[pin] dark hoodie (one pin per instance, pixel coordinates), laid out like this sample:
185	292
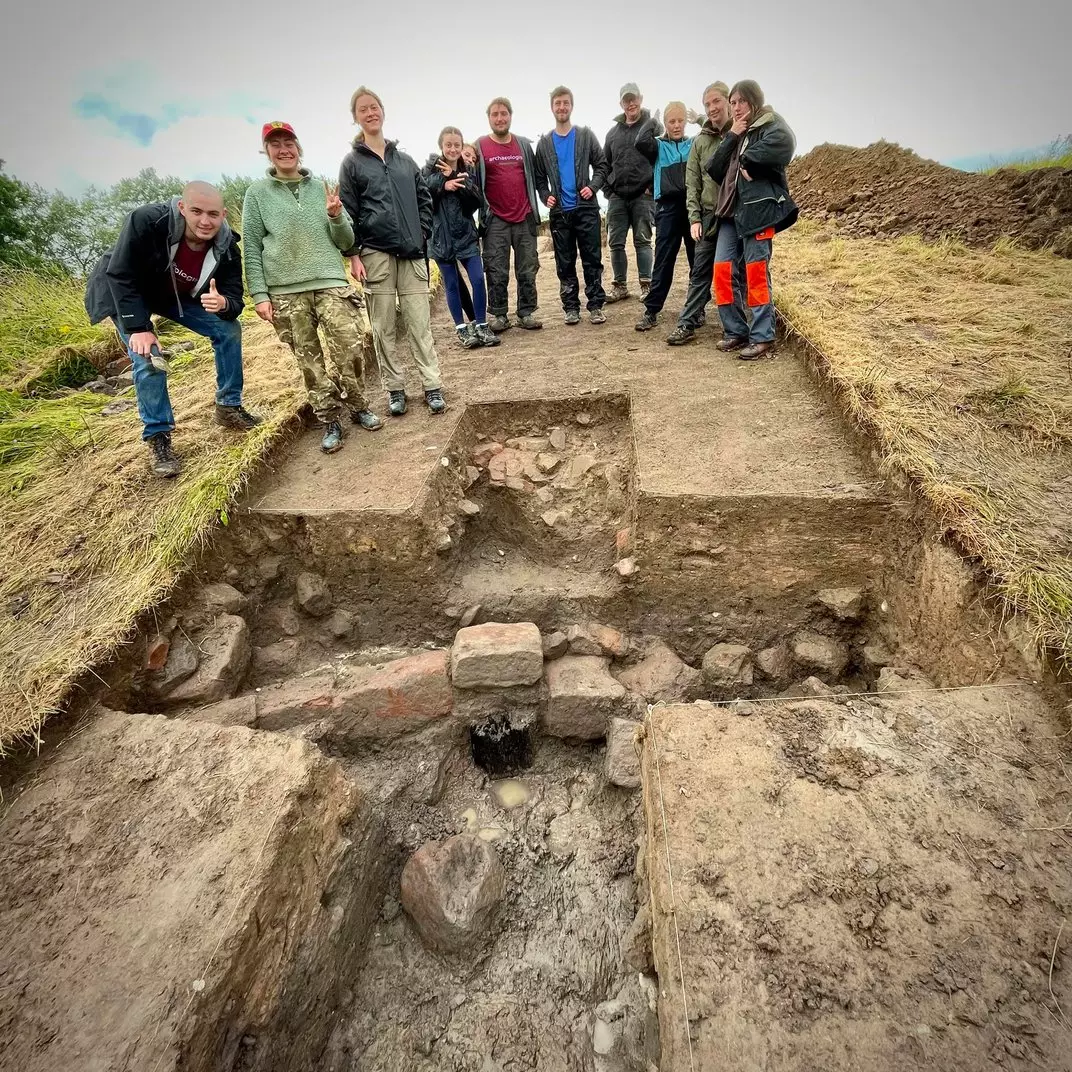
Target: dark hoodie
387	200
631	172
134	280
454	236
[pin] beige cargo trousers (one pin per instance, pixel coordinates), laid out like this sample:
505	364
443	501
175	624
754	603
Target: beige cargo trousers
388	277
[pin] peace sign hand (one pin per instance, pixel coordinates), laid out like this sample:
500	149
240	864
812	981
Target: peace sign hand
334	202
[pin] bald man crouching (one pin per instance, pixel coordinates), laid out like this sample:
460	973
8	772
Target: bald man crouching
179	260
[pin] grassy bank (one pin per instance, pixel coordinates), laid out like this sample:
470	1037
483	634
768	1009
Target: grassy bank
957	362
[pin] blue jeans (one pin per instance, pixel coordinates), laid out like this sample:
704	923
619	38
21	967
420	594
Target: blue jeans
150	385
474	269
743	262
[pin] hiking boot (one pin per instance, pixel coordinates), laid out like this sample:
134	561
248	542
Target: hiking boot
597	316
572	316
164	461
469	337
435	400
397	403
499	324
755	351
366	418
646	322
487	336
645	286
237	418
701	320
617	292
680	335
728	343
529	322
332	440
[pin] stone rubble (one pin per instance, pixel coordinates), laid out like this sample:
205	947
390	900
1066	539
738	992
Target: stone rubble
728	664
312	594
581	697
496	655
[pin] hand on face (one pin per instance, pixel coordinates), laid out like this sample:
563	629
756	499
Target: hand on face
740	125
212	301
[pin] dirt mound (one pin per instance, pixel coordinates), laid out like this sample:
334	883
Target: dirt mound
888	191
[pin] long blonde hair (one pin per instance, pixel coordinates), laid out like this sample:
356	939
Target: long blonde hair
364	91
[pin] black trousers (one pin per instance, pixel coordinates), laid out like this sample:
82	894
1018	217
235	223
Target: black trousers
500	238
573	232
703	269
671	229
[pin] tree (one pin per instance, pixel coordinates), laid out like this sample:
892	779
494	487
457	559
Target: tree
16	227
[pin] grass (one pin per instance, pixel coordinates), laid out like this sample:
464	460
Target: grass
1058	154
959	363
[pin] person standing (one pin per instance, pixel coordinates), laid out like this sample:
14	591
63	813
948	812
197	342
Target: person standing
454	245
753	206
629	189
382	190
509	217
701	195
295	229
570	171
178	259
670	155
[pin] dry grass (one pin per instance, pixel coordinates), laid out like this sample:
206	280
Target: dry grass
959	363
89	538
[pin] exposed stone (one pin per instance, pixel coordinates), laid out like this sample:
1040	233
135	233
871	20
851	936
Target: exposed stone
505	465
548	463
572	474
557	439
623	542
583	419
775	662
744	708
312	594
636	942
728	664
470	615
290	621
901	679
551	518
222	597
340	624
270	567
451	889
497	655
555	645
443	543
626	567
468	508
809	687
816	652
545	495
225	653
180	663
482	454
591	638
661	675
844	603
238	711
582	697
392	698
296	702
531	444
876	655
277	658
156	653
472	475
621	763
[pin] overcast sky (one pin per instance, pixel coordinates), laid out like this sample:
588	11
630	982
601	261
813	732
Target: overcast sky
94	92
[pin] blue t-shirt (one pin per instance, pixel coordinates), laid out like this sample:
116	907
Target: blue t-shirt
567	170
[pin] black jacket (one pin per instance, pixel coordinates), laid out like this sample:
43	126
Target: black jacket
454	236
765	149
590	167
631	172
133	280
387	200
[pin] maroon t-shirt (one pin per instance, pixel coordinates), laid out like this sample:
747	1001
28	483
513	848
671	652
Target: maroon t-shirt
504	170
186	267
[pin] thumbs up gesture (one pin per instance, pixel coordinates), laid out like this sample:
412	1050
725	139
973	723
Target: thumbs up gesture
212	301
334	202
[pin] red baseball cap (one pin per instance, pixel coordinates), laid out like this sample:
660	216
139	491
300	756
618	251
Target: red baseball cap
275	127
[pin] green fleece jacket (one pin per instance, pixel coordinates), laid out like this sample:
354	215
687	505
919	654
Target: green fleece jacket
289	243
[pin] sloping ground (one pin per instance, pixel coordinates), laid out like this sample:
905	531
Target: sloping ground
889	191
957	363
89	538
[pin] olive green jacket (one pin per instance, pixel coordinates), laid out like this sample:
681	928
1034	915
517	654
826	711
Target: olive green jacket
701	191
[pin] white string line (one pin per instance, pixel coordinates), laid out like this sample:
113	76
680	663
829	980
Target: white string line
670	877
836	696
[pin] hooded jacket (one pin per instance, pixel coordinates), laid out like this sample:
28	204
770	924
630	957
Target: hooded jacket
528	162
292	244
669	158
454	236
764	151
701	191
631	173
590	168
387	200
134	279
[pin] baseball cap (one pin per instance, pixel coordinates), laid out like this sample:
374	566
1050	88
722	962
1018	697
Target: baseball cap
276	127
630	89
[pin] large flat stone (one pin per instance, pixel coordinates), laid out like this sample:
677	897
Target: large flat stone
581	697
168	887
662	675
497	655
225	652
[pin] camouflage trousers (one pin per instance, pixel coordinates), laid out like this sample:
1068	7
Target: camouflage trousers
340	314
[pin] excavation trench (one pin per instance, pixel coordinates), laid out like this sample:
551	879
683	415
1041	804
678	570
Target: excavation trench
317	634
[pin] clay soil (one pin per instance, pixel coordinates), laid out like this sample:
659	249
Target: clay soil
889	191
